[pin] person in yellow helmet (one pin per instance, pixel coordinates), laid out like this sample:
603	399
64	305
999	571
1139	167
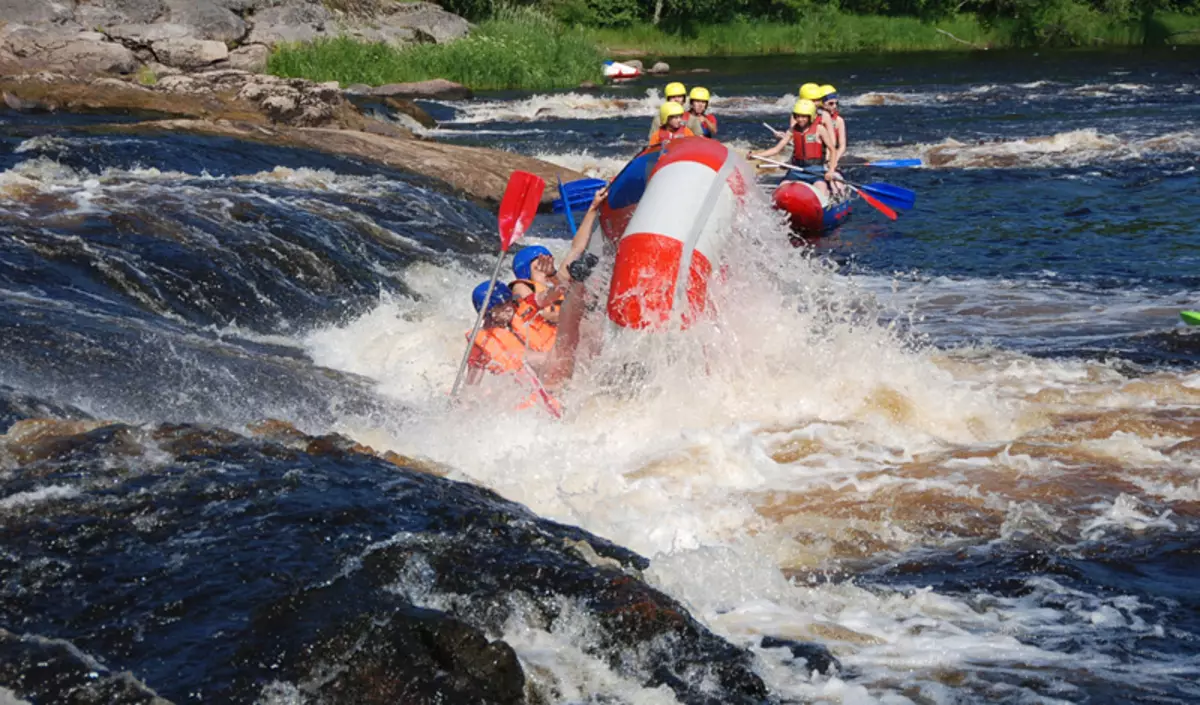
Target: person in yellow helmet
670	121
699	120
827	111
812	144
810	91
675	92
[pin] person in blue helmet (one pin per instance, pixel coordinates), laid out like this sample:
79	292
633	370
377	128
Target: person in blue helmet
501	350
537	276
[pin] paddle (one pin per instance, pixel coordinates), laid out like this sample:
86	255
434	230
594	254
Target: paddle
518	208
1192	318
562	198
577	194
895	163
876	203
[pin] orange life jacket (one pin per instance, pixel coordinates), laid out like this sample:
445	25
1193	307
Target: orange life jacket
807	147
665	135
553	307
533	330
502	351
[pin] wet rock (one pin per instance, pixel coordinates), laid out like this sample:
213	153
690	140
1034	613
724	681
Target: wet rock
190	53
15	406
44	670
218	564
659	67
435	89
24	48
357	89
251	58
479	172
816	657
412	110
635	63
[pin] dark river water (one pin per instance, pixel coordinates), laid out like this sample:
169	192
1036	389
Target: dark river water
958	449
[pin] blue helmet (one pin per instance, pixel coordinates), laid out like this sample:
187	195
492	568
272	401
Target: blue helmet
500	295
523	260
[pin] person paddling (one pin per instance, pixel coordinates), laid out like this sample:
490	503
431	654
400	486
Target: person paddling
828	111
699	120
812	144
670	120
675	93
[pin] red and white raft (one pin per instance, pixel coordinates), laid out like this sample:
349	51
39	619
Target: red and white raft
671	243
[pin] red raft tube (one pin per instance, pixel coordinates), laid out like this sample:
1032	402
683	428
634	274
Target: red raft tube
811	213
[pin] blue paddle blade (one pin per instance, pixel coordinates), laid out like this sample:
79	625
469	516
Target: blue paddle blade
565	211
894	196
577	194
895	163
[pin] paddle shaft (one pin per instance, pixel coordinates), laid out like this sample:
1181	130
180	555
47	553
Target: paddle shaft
462	366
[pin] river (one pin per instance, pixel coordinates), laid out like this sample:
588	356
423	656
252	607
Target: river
959	449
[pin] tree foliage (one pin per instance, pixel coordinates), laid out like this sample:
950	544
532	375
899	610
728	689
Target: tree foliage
1030	22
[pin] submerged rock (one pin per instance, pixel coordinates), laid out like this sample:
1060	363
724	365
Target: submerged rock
201	561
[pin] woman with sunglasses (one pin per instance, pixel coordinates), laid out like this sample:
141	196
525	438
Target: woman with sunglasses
831	117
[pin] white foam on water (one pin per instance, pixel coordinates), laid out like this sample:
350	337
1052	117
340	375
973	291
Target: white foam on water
678	464
30	498
1072	148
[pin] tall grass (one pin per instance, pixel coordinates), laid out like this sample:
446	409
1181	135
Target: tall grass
529	52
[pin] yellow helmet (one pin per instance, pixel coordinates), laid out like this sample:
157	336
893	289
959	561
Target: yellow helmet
811	91
805	106
675	90
826	90
668	111
699	93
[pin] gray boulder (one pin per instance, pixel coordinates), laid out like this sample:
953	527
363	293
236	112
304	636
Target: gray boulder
24	48
251	58
430	22
207	20
190	53
37	12
144	35
289	21
104	13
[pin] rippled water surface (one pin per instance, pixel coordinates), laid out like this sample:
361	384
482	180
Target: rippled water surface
959	449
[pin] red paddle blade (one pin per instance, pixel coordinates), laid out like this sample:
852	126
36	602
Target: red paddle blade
877	203
519	206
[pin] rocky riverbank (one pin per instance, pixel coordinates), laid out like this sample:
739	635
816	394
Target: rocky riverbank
195	66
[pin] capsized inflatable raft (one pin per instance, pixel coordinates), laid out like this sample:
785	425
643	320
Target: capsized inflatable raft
669	212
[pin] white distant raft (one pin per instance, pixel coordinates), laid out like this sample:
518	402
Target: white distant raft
615	69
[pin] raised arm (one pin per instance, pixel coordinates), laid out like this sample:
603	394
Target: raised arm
579	243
